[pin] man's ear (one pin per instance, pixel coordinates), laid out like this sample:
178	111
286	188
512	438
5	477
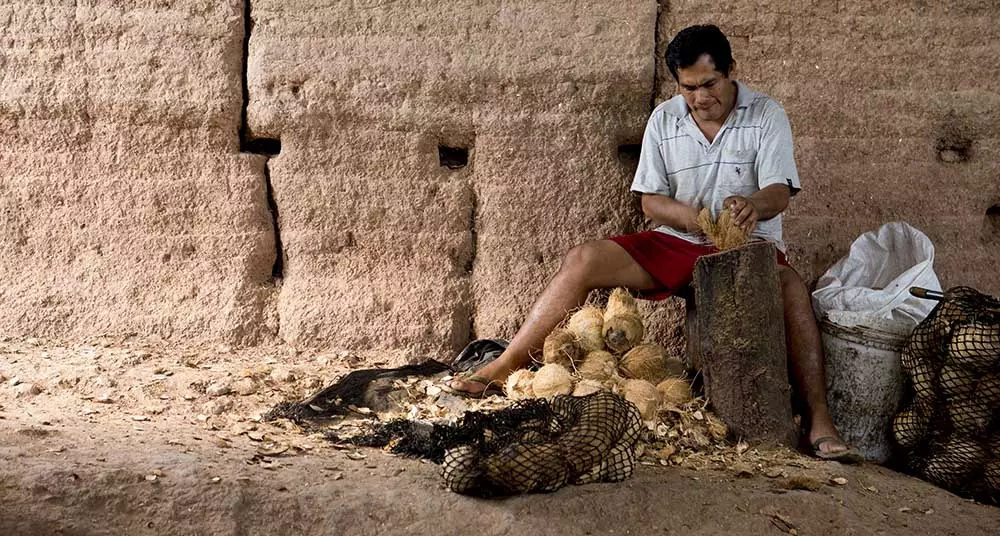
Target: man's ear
732	71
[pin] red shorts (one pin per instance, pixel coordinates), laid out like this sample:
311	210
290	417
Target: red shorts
670	260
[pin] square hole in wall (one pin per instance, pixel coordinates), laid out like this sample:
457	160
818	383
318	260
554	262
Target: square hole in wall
453	157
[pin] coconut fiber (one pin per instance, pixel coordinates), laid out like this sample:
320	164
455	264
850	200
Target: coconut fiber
949	429
534	445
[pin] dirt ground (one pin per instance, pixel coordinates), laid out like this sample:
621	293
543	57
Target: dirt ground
140	437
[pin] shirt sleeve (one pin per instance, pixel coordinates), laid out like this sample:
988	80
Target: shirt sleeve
775	159
651	175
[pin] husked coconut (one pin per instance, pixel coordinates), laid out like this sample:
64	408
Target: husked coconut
644	395
587	325
956	456
955	381
645	362
620	302
676	391
560	347
587	387
908	428
598	365
923	381
991	475
551	380
989	389
614	383
622	332
974	346
969	413
518	385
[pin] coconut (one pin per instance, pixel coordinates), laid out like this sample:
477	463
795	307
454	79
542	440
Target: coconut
587	325
955	381
560	347
620	302
614	383
646	362
923	380
974	346
599	366
644	395
587	387
991	475
908	428
989	389
969	413
518	385
551	380
675	391
955	457
622	332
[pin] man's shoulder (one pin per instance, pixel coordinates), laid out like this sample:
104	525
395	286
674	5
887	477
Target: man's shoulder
674	107
758	104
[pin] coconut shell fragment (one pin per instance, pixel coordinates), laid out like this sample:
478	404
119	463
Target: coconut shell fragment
587	325
560	347
551	380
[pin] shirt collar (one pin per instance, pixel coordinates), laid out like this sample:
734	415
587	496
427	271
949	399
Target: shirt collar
744	95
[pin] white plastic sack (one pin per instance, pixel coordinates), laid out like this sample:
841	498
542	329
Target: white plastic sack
870	286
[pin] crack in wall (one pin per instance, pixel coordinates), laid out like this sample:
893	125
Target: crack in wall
268	147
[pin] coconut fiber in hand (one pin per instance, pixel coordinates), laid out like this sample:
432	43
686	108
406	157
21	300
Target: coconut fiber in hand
723	232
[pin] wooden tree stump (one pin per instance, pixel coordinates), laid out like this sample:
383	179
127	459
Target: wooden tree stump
739	341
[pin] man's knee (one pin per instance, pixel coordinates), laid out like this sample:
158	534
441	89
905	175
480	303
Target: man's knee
582	258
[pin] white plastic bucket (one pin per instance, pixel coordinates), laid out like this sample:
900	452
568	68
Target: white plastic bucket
864	380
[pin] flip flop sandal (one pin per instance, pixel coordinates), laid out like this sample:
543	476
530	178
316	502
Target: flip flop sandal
490	387
849	456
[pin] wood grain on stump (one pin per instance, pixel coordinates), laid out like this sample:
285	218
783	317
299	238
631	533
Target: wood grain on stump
740	343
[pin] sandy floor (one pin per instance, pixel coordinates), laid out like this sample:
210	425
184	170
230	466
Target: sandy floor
134	437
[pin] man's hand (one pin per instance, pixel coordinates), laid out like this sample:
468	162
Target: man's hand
743	210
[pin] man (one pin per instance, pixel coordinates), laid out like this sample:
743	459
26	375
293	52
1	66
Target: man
719	145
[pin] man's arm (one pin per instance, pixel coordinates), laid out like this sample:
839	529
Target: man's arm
761	205
664	210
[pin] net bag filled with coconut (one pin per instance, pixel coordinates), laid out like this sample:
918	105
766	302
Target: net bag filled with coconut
948	431
534	445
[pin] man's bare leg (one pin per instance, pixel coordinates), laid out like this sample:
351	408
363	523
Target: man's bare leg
589	266
806	350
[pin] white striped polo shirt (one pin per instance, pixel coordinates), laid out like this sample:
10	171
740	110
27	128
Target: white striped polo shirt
751	151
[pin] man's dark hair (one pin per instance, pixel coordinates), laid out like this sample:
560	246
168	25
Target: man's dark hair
694	41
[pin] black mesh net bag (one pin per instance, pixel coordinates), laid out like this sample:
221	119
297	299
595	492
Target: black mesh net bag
535	445
948	431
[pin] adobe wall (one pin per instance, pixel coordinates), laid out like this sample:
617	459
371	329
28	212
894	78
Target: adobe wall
132	200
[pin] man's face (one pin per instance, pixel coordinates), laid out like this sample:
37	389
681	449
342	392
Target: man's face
709	94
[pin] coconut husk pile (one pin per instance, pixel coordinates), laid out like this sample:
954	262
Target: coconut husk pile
723	232
595	350
603	349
